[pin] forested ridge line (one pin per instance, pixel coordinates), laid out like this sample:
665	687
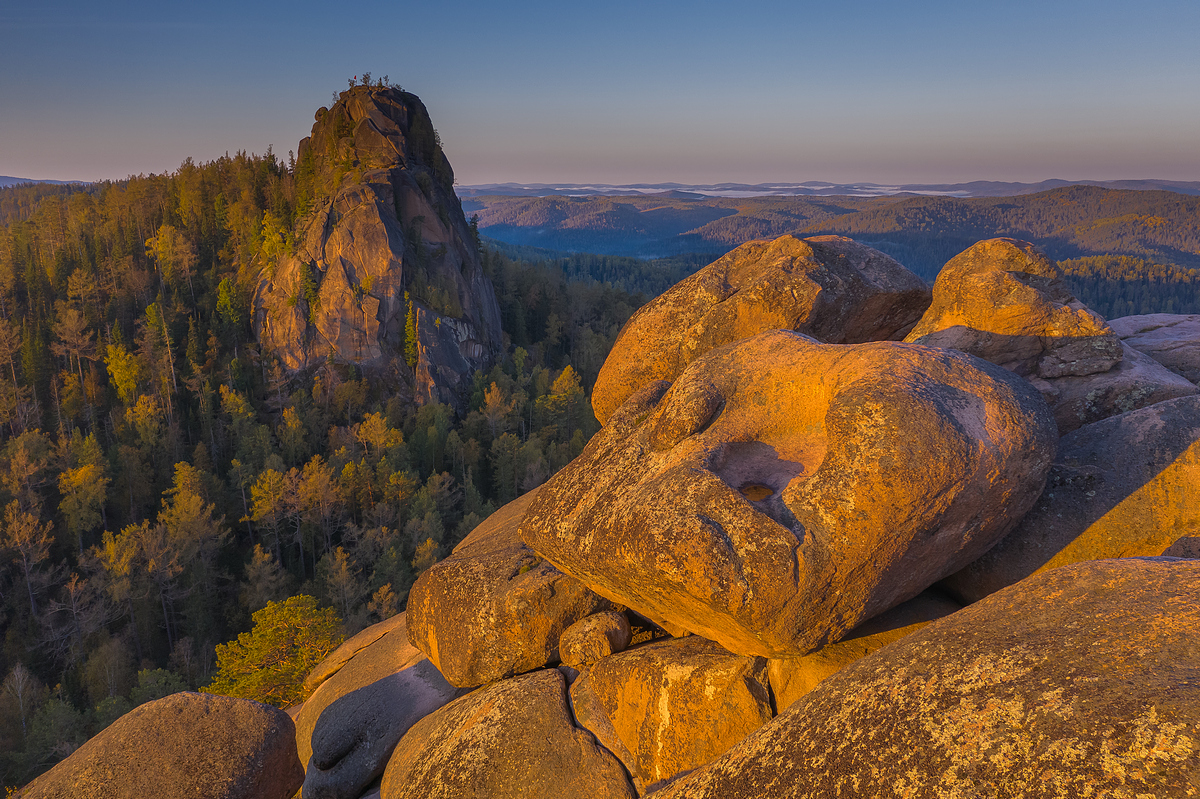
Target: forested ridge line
921	232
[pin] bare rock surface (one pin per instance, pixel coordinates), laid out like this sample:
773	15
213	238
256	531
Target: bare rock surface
1137	381
829	287
494	607
594	637
1171	339
384	220
514	739
1075	682
668	707
351	647
1125	486
183	746
1004	301
348	727
792	678
783	491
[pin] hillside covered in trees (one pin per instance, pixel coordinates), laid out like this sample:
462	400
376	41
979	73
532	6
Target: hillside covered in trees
162	478
921	232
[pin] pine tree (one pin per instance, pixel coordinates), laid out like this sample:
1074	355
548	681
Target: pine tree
410	334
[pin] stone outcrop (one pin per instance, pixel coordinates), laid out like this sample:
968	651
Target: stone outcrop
792	678
594	637
1172	340
828	287
383	221
1002	300
494	607
514	739
783	491
348	727
1075	682
184	746
351	647
671	706
1137	381
1125	486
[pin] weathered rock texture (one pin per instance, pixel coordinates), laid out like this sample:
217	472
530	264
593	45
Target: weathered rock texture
1002	300
1137	381
783	491
184	746
384	221
792	678
494	607
668	707
1172	340
347	729
511	740
351	647
1122	487
829	287
594	637
1076	682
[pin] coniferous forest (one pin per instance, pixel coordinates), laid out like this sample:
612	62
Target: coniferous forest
162	478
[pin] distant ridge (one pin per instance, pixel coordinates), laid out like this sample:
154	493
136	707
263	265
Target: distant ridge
6	181
812	188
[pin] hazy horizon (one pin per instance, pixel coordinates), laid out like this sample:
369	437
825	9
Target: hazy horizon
674	92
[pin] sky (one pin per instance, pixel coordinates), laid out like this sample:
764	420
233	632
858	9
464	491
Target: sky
620	92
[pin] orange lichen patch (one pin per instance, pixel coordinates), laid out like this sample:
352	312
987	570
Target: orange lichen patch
756	492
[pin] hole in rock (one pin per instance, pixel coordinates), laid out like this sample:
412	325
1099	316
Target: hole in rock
756	492
757	471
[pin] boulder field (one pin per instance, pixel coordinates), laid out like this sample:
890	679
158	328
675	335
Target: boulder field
801	559
1002	300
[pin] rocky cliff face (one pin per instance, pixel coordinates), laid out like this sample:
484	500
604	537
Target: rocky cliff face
379	221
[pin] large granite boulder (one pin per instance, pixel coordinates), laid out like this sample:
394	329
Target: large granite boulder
593	638
1122	487
828	287
183	746
383	226
514	739
1002	300
792	678
347	729
1172	340
1075	682
783	491
351	647
494	607
668	707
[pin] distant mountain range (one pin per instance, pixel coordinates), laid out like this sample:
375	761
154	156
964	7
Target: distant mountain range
922	232
812	188
6	181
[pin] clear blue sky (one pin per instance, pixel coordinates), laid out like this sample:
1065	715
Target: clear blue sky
621	91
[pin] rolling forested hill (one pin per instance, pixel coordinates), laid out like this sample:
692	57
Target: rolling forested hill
921	232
